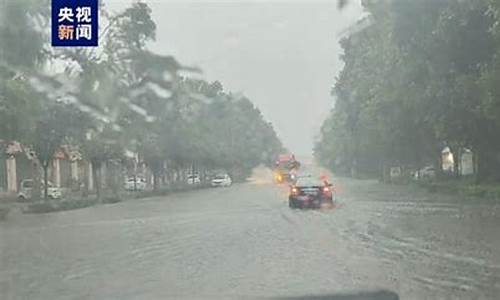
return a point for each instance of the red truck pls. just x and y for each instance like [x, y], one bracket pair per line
[285, 169]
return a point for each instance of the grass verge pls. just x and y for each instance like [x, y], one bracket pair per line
[41, 207]
[55, 205]
[463, 188]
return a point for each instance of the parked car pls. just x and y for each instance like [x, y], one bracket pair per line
[221, 180]
[26, 190]
[193, 179]
[426, 172]
[135, 184]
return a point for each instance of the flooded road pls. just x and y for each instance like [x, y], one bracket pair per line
[245, 241]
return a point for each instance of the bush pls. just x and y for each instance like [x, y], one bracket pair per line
[482, 191]
[74, 204]
[39, 208]
[147, 194]
[111, 199]
[58, 205]
[463, 188]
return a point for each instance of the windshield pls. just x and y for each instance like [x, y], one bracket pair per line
[138, 179]
[28, 184]
[155, 149]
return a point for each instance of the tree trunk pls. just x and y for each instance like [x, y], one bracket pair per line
[192, 173]
[183, 175]
[156, 180]
[457, 157]
[156, 171]
[475, 165]
[45, 166]
[487, 165]
[113, 178]
[175, 175]
[35, 193]
[481, 168]
[96, 172]
[204, 174]
[456, 154]
[156, 168]
[381, 170]
[85, 192]
[169, 176]
[438, 166]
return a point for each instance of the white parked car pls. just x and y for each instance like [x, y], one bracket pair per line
[223, 180]
[193, 179]
[26, 190]
[137, 184]
[426, 172]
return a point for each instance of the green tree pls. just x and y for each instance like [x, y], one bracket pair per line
[420, 76]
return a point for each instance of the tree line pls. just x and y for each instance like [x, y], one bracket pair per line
[418, 76]
[119, 98]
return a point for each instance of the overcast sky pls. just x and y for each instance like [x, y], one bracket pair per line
[282, 55]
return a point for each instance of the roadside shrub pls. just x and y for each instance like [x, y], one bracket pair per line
[146, 194]
[111, 199]
[463, 188]
[474, 191]
[39, 208]
[74, 204]
[482, 191]
[23, 200]
[58, 205]
[178, 187]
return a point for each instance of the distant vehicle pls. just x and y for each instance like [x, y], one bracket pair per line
[286, 167]
[135, 184]
[310, 192]
[26, 190]
[395, 172]
[281, 176]
[221, 180]
[193, 179]
[426, 172]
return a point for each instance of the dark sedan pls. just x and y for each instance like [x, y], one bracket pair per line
[310, 192]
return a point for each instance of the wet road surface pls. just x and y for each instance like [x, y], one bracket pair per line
[245, 241]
